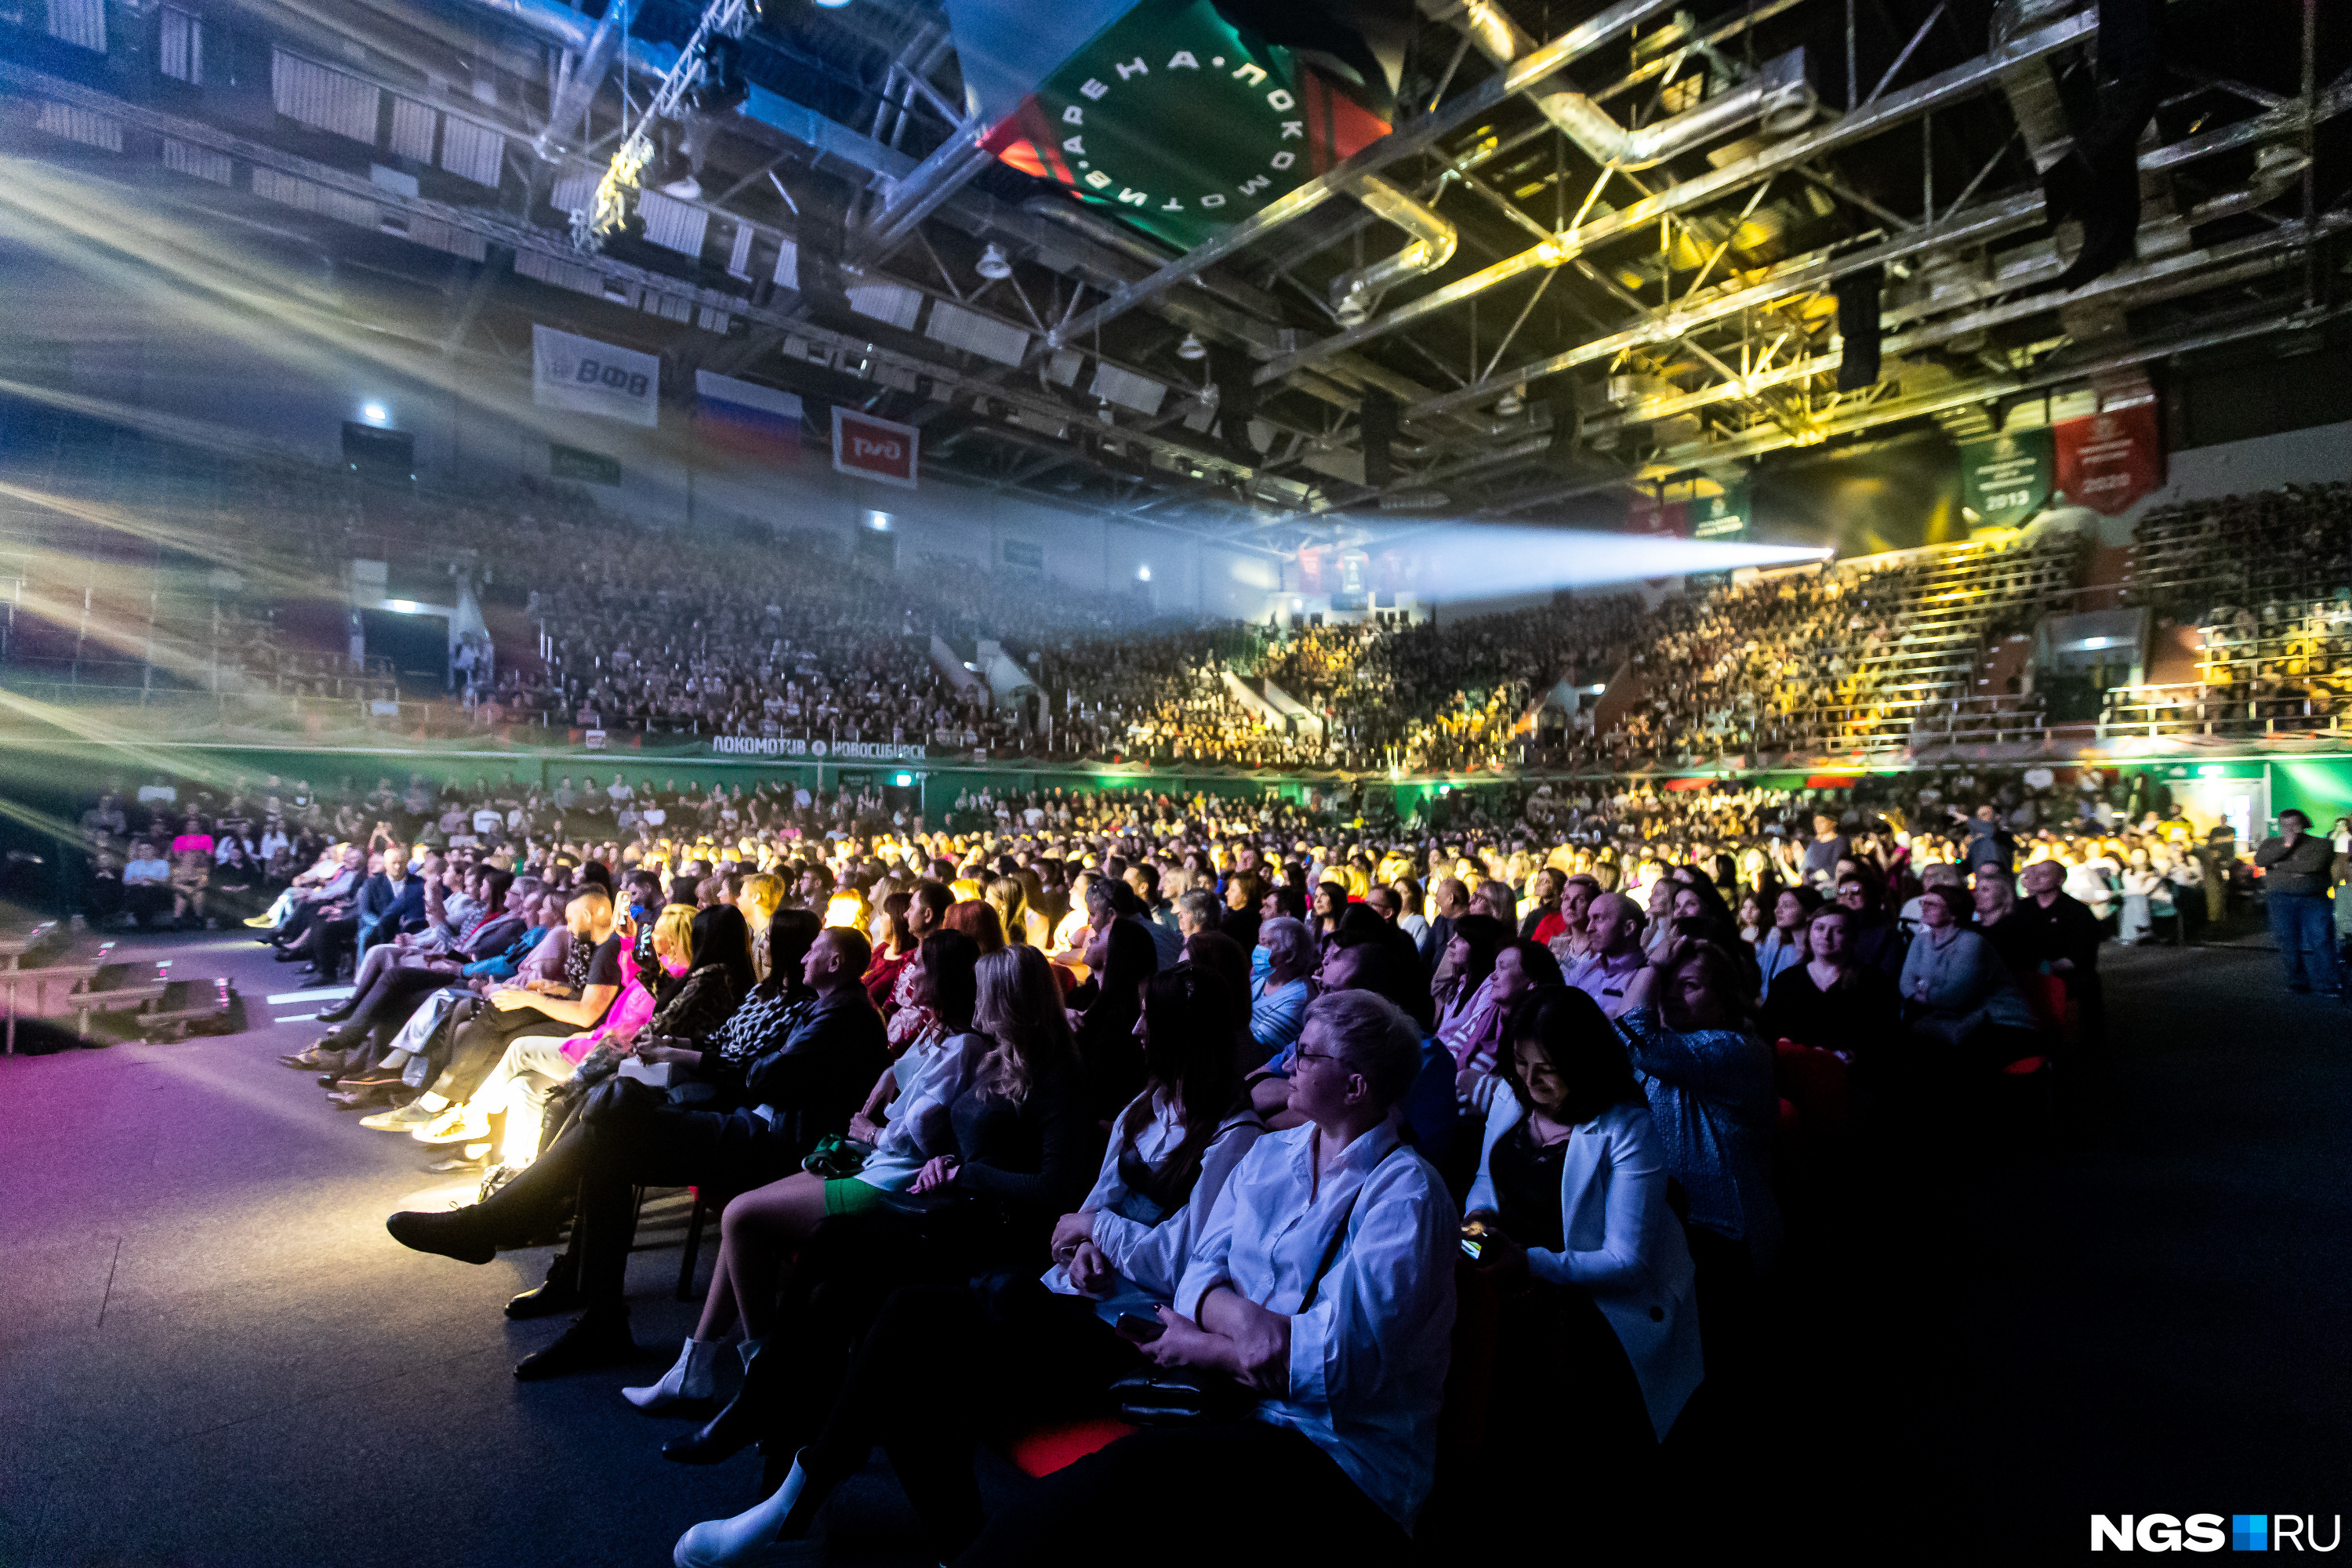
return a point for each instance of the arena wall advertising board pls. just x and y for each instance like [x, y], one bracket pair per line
[589, 377]
[874, 448]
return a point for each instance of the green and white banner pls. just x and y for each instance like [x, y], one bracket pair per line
[2006, 479]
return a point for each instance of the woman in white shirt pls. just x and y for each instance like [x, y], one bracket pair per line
[1572, 1200]
[1323, 1282]
[939, 1362]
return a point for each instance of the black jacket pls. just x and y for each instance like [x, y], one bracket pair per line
[818, 1077]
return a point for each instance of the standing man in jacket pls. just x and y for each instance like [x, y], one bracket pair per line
[2297, 867]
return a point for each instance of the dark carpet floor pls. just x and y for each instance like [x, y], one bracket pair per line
[211, 1354]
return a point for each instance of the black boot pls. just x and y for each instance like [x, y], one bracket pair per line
[560, 1292]
[722, 1436]
[598, 1337]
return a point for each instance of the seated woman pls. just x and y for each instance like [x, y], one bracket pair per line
[762, 1228]
[1829, 1002]
[801, 1088]
[1279, 987]
[1323, 1282]
[1571, 1195]
[1121, 955]
[1022, 1145]
[1784, 946]
[944, 1363]
[1708, 1077]
[1961, 1002]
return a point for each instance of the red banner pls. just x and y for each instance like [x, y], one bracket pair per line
[874, 448]
[2109, 460]
[1644, 514]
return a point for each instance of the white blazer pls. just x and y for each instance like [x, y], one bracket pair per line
[1624, 1245]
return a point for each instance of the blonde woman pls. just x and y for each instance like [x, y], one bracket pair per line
[1020, 1152]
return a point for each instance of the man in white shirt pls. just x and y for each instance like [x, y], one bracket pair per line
[619, 789]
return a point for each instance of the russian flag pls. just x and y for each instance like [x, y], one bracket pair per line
[743, 418]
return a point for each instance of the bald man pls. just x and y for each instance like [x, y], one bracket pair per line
[1613, 927]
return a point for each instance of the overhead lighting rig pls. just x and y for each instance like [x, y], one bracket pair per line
[608, 208]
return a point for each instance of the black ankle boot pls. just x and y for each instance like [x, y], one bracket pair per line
[598, 1337]
[560, 1292]
[722, 1436]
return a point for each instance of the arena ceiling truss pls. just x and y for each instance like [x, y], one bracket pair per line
[1598, 247]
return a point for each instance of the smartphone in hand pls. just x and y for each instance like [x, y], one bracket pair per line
[1142, 1331]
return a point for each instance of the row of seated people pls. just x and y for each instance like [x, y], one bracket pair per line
[965, 1193]
[2196, 559]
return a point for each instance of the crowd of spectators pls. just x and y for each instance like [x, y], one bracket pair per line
[1209, 1114]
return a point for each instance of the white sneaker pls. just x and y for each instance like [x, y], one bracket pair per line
[690, 1380]
[407, 1119]
[458, 1124]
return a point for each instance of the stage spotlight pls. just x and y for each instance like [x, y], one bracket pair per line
[1510, 404]
[1191, 347]
[375, 413]
[993, 262]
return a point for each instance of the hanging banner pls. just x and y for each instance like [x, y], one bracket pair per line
[874, 448]
[2109, 460]
[1722, 515]
[1646, 513]
[589, 377]
[1168, 116]
[2005, 479]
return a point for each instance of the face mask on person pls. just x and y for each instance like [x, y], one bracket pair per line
[1261, 963]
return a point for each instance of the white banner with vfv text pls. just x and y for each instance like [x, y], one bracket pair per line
[589, 377]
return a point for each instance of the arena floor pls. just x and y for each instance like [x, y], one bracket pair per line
[216, 1356]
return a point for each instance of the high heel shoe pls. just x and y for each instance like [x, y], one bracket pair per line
[725, 1434]
[690, 1387]
[784, 1514]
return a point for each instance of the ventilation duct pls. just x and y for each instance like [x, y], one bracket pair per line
[1355, 294]
[1778, 95]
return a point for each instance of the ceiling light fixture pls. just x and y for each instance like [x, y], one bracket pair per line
[1511, 403]
[993, 262]
[1191, 347]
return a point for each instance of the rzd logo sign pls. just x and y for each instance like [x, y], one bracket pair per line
[874, 448]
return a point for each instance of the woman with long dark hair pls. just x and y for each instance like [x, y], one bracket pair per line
[1023, 1144]
[943, 1364]
[1122, 955]
[1570, 1212]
